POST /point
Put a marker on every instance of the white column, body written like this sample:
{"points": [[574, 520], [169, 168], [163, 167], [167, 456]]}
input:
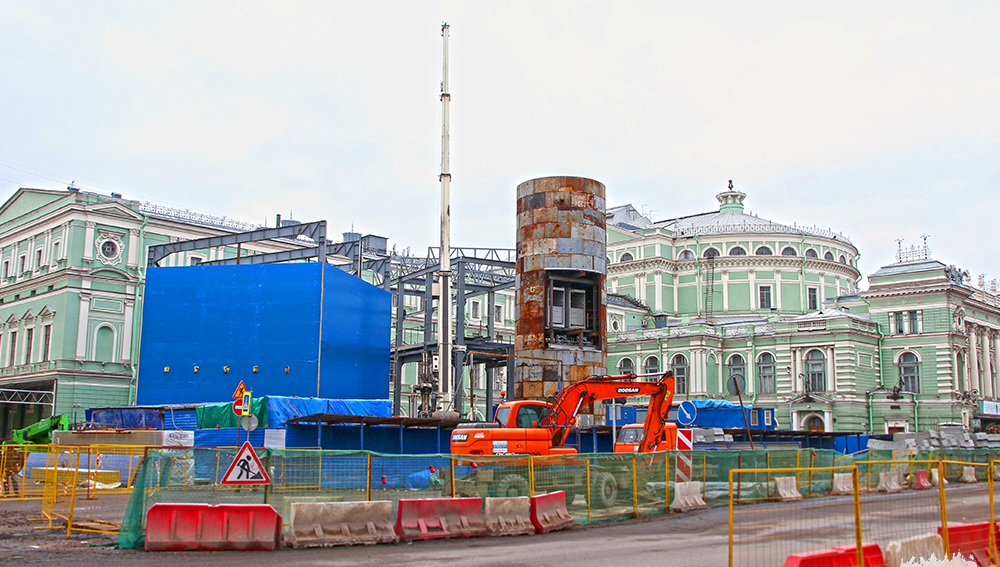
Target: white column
{"points": [[996, 359], [133, 248], [831, 369], [822, 290], [987, 390], [827, 420], [725, 290], [126, 349], [88, 243], [973, 359], [754, 294], [658, 287], [81, 333], [776, 294], [954, 370]]}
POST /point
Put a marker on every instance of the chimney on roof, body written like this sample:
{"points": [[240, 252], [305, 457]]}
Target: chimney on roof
{"points": [[116, 195]]}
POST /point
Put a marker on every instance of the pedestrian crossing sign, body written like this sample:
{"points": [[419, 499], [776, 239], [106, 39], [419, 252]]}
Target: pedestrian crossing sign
{"points": [[246, 468]]}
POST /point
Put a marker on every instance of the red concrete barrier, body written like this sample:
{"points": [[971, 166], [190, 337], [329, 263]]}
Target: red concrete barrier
{"points": [[838, 557], [548, 512], [439, 518], [971, 540], [921, 481], [871, 554], [204, 527]]}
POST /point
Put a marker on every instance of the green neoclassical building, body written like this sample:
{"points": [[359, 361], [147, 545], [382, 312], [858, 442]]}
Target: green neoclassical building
{"points": [[725, 298]]}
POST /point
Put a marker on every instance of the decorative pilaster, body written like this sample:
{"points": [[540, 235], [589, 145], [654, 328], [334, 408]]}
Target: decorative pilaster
{"points": [[971, 329]]}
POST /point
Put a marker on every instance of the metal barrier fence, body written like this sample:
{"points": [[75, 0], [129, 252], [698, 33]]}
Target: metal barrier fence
{"points": [[772, 514]]}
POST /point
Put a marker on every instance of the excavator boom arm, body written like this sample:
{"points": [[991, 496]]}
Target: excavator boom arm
{"points": [[562, 415]]}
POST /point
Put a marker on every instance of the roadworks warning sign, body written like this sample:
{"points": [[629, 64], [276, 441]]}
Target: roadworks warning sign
{"points": [[246, 468]]}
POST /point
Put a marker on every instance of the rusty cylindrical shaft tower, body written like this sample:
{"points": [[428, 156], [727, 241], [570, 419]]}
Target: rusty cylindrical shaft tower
{"points": [[561, 301]]}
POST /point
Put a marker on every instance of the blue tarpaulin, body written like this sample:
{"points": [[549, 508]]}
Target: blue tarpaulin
{"points": [[280, 408], [726, 404]]}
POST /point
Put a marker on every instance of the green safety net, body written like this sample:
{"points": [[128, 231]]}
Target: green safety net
{"points": [[131, 534], [221, 415]]}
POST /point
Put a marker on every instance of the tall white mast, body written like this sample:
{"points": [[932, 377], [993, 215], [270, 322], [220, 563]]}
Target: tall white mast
{"points": [[444, 274]]}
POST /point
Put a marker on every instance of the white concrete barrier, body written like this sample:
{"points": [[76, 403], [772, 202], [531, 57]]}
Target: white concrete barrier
{"points": [[508, 516], [968, 475], [934, 477], [324, 524], [787, 488], [843, 483], [687, 496], [913, 548], [889, 482]]}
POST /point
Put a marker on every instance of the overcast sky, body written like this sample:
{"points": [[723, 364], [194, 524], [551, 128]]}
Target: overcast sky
{"points": [[877, 119]]}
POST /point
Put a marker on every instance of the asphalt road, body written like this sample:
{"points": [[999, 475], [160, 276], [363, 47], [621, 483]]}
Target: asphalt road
{"points": [[662, 541]]}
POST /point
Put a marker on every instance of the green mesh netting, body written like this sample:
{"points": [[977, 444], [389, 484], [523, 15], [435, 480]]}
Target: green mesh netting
{"points": [[221, 415], [131, 535]]}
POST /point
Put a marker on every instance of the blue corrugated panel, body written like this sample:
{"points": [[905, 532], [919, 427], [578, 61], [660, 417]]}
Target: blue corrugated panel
{"points": [[263, 316], [226, 437], [186, 418]]}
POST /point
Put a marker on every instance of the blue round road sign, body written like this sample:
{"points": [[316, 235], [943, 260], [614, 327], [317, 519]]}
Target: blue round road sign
{"points": [[686, 413]]}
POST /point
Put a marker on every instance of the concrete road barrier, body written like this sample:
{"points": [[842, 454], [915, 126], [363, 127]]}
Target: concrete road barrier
{"points": [[687, 496], [323, 524], [843, 483], [787, 488], [934, 477], [439, 518], [508, 516], [968, 475], [205, 527], [889, 482], [548, 512], [900, 551]]}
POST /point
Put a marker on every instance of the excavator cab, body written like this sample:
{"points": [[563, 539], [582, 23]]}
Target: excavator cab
{"points": [[523, 413]]}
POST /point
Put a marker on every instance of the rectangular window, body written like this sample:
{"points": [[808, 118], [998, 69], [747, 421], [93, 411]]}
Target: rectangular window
{"points": [[13, 349], [38, 259], [46, 341], [754, 422], [813, 298], [914, 323], [498, 313], [900, 323], [765, 297], [194, 261], [6, 269], [20, 264], [474, 309], [766, 379], [572, 300], [768, 418], [28, 338], [55, 251]]}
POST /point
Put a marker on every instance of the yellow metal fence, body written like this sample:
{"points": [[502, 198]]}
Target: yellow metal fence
{"points": [[868, 502]]}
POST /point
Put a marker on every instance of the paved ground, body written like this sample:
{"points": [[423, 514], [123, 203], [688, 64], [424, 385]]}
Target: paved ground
{"points": [[664, 541]]}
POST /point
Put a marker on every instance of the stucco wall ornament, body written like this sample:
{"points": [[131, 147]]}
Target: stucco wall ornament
{"points": [[109, 247]]}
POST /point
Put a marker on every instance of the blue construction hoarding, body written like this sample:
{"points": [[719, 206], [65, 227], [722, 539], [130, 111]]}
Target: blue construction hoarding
{"points": [[205, 328]]}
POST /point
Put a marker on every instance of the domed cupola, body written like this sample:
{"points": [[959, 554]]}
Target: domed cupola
{"points": [[731, 200]]}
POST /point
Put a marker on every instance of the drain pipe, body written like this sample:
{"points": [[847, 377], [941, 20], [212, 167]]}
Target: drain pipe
{"points": [[881, 378], [137, 312]]}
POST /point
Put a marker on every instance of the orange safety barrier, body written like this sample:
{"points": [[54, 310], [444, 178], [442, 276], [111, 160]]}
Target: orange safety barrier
{"points": [[548, 512], [838, 557], [871, 554], [921, 480], [971, 540], [205, 527], [439, 518]]}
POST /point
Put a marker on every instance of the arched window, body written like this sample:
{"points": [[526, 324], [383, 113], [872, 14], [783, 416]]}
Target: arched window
{"points": [[737, 367], [651, 366], [104, 344], [909, 373], [788, 251], [737, 251], [686, 255], [811, 253], [828, 256], [843, 259], [626, 257], [626, 366], [765, 251], [766, 374], [711, 253], [679, 365], [816, 371], [814, 424]]}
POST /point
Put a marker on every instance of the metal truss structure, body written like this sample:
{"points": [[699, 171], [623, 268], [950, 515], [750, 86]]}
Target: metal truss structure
{"points": [[28, 397]]}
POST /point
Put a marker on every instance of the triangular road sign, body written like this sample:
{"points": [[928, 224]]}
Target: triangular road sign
{"points": [[240, 390], [246, 468]]}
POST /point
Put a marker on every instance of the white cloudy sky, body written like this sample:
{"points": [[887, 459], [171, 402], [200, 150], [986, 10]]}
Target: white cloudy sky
{"points": [[878, 119]]}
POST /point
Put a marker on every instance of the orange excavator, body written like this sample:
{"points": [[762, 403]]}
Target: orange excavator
{"points": [[541, 428], [527, 427]]}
